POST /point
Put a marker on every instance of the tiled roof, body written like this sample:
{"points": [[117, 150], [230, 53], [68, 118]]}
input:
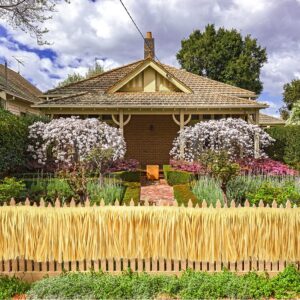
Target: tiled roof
{"points": [[270, 120], [156, 99], [205, 92], [18, 86]]}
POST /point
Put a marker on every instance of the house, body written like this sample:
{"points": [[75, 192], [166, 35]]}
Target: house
{"points": [[150, 101], [16, 93]]}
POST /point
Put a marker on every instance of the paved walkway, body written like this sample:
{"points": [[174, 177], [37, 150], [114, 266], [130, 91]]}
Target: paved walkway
{"points": [[157, 191]]}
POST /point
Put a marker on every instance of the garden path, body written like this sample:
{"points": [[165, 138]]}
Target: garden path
{"points": [[157, 191]]}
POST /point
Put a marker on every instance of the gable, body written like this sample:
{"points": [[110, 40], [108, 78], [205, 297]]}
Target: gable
{"points": [[149, 77], [149, 80]]}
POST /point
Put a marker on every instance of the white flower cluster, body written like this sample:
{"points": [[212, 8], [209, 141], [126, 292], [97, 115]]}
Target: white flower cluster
{"points": [[71, 139], [236, 136]]}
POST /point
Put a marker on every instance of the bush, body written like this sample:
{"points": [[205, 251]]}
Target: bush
{"points": [[58, 188], [133, 191], [183, 193], [280, 192], [14, 141], [208, 189], [11, 188], [191, 285], [287, 145], [175, 177], [166, 169], [128, 176], [11, 286]]}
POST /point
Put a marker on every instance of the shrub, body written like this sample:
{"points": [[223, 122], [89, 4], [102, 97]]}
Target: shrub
{"points": [[58, 188], [265, 166], [14, 141], [195, 168], [124, 165], [11, 286], [166, 169], [133, 191], [178, 177], [11, 188], [280, 192], [128, 176], [191, 285], [208, 189], [287, 144], [183, 193], [110, 191]]}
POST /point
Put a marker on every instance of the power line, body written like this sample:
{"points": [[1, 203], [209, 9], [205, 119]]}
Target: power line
{"points": [[138, 29]]}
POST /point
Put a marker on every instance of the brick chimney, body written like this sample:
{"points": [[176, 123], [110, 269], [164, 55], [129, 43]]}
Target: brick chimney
{"points": [[149, 50]]}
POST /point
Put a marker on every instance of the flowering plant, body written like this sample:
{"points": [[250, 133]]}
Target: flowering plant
{"points": [[193, 167], [70, 140], [232, 135], [265, 166], [123, 165]]}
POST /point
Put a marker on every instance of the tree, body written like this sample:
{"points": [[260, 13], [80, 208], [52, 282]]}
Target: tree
{"points": [[294, 118], [28, 15], [68, 141], [224, 55], [75, 77], [235, 136], [291, 93]]}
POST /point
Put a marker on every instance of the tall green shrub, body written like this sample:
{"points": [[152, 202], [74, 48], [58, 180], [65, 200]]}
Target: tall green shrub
{"points": [[14, 141], [287, 145]]}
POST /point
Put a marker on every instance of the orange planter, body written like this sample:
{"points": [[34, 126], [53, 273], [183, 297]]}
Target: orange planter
{"points": [[152, 172]]}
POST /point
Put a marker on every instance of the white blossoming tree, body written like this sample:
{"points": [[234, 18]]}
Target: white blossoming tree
{"points": [[70, 140], [232, 135]]}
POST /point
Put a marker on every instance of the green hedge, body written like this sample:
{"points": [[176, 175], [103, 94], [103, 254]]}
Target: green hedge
{"points": [[129, 176], [183, 193], [14, 141], [191, 285], [133, 191], [287, 145], [175, 177]]}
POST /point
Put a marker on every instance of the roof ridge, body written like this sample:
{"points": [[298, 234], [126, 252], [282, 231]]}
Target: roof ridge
{"points": [[95, 76]]}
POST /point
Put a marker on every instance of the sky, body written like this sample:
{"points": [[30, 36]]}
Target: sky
{"points": [[83, 31]]}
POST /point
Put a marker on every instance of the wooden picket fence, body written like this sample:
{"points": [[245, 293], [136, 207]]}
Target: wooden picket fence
{"points": [[31, 271]]}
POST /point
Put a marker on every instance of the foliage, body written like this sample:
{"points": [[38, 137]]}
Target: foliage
{"points": [[220, 167], [127, 176], [191, 167], [183, 193], [280, 192], [71, 78], [132, 192], [123, 165], [29, 16], [175, 177], [166, 169], [286, 285], [224, 55], [294, 118], [208, 189], [11, 188], [287, 145], [109, 191], [75, 77], [58, 188], [14, 141], [291, 93], [265, 166], [70, 140], [11, 286], [191, 285], [235, 136]]}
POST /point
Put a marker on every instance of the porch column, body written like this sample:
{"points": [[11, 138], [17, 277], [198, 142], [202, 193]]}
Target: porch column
{"points": [[120, 122], [255, 121]]}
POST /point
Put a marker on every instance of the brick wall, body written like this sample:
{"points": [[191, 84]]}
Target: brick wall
{"points": [[149, 138]]}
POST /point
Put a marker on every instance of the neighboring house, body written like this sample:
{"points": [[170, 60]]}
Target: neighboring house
{"points": [[16, 93], [268, 121], [150, 102]]}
